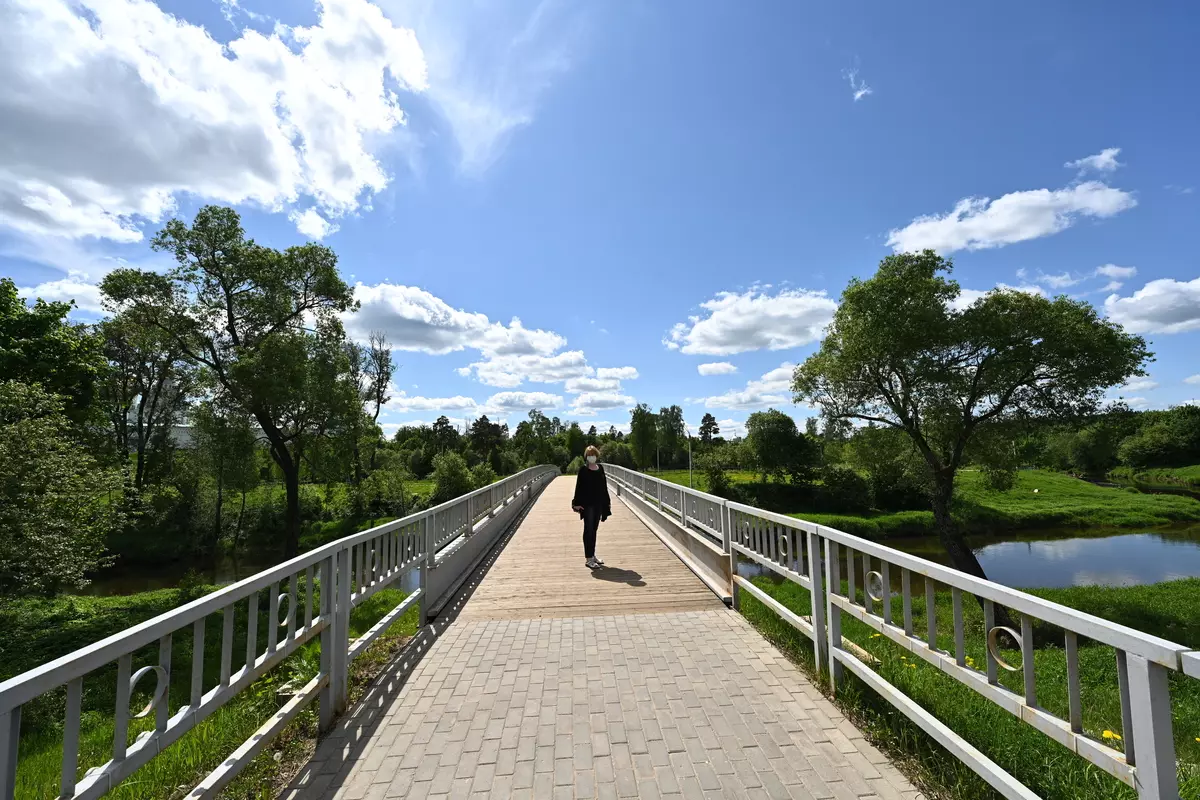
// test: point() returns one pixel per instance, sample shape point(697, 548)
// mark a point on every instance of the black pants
point(591, 522)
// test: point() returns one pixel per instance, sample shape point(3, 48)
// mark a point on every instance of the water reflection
point(1061, 559)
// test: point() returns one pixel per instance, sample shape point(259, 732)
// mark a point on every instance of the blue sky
point(653, 189)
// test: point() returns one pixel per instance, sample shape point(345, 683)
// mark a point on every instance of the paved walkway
point(683, 703)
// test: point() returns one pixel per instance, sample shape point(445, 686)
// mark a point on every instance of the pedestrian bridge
point(532, 676)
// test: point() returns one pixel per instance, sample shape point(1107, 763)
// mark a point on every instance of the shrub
point(715, 476)
point(575, 465)
point(482, 475)
point(843, 489)
point(450, 478)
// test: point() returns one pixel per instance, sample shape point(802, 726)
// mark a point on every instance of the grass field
point(1039, 500)
point(1165, 476)
point(1171, 610)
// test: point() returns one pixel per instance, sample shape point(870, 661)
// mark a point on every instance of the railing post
point(423, 574)
point(341, 635)
point(833, 613)
point(326, 701)
point(1153, 751)
point(727, 542)
point(10, 738)
point(817, 580)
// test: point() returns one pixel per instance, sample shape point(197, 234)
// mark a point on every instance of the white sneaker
point(598, 561)
point(592, 563)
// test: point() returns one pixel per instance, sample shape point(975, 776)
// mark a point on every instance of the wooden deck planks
point(541, 573)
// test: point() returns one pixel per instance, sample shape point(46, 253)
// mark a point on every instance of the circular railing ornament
point(993, 646)
point(279, 609)
point(785, 549)
point(877, 596)
point(160, 688)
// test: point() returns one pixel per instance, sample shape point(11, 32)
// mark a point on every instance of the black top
point(591, 490)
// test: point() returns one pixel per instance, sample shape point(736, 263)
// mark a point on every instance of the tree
point(445, 435)
point(225, 443)
point(38, 345)
point(253, 317)
point(777, 445)
point(708, 429)
point(53, 506)
point(379, 370)
point(903, 354)
point(487, 436)
point(643, 434)
point(451, 478)
point(576, 440)
point(144, 390)
point(670, 432)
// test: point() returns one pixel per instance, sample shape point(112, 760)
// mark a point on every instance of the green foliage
point(576, 440)
point(482, 475)
point(38, 345)
point(716, 479)
point(574, 467)
point(709, 428)
point(451, 478)
point(895, 471)
point(618, 453)
point(843, 489)
point(55, 509)
point(643, 435)
point(777, 445)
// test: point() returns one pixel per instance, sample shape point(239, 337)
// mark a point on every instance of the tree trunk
point(291, 482)
point(216, 540)
point(952, 538)
point(237, 533)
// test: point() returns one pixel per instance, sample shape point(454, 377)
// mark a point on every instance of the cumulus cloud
point(592, 385)
point(1139, 385)
point(86, 296)
point(753, 320)
point(513, 370)
point(1194, 379)
point(414, 319)
point(310, 223)
point(716, 368)
point(403, 403)
point(979, 223)
point(1104, 161)
point(1115, 272)
point(110, 109)
point(967, 297)
point(588, 403)
point(617, 373)
point(772, 389)
point(1161, 306)
point(504, 402)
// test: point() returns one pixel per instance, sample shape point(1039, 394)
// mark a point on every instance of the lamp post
point(688, 432)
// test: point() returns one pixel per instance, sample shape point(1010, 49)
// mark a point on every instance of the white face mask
point(591, 459)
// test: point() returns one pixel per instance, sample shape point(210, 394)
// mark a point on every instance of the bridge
point(532, 676)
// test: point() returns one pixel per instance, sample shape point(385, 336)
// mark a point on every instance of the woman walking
point(592, 503)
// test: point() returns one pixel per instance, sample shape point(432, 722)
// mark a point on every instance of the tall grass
point(1170, 610)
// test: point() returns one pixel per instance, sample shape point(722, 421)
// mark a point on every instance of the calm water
point(1058, 559)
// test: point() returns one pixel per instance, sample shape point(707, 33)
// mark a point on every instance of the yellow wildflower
point(1116, 736)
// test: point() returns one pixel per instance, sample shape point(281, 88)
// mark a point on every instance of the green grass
point(1060, 501)
point(699, 482)
point(1171, 610)
point(37, 631)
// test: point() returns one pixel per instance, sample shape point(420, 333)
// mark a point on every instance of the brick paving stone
point(673, 704)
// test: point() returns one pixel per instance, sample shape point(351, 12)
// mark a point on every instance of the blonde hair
point(592, 450)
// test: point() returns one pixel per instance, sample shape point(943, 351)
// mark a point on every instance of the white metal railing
point(848, 575)
point(353, 569)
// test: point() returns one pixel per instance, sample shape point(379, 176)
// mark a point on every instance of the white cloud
point(1058, 281)
point(1104, 161)
point(857, 87)
point(1113, 271)
point(1173, 187)
point(716, 368)
point(504, 402)
point(403, 403)
point(967, 297)
point(490, 64)
point(753, 320)
point(588, 403)
point(113, 108)
point(978, 223)
point(1111, 286)
point(772, 389)
point(1194, 379)
point(1139, 385)
point(603, 426)
point(731, 428)
point(414, 319)
point(513, 370)
point(86, 295)
point(312, 224)
point(617, 373)
point(592, 385)
point(1161, 306)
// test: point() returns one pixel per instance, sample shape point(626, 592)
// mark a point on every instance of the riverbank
point(34, 631)
point(1039, 500)
point(1170, 610)
point(1187, 477)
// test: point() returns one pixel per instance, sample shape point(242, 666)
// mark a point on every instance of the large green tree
point(777, 445)
point(55, 509)
point(643, 434)
point(709, 429)
point(254, 317)
point(903, 352)
point(39, 345)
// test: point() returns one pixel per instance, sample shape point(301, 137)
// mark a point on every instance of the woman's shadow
point(615, 575)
